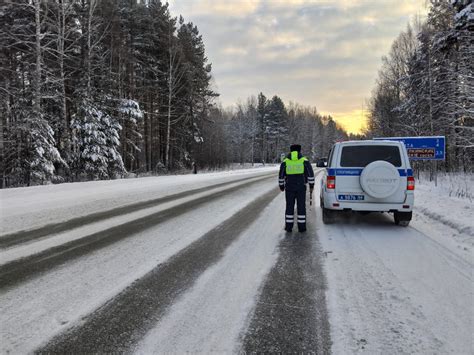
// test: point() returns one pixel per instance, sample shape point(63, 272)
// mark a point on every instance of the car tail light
point(410, 183)
point(331, 182)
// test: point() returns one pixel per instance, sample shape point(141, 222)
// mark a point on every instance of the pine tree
point(96, 142)
point(276, 129)
point(197, 93)
point(262, 108)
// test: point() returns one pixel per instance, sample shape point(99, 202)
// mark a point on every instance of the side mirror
point(322, 163)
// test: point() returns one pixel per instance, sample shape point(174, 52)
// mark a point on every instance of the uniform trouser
point(300, 197)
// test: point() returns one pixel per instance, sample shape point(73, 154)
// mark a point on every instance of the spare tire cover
point(380, 179)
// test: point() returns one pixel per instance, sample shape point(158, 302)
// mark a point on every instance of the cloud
point(235, 8)
point(323, 53)
point(234, 51)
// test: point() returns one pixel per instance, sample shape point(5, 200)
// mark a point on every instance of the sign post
point(431, 148)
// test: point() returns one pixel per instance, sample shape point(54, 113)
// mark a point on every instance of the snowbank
point(458, 185)
point(445, 211)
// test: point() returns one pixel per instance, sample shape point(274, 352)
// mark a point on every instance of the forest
point(261, 129)
point(101, 89)
point(425, 86)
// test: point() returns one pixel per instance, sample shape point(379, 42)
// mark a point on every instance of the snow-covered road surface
point(395, 290)
point(211, 270)
point(32, 207)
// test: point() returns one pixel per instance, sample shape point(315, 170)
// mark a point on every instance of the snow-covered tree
point(96, 143)
point(63, 61)
point(433, 94)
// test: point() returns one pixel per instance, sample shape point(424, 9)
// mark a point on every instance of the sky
point(320, 53)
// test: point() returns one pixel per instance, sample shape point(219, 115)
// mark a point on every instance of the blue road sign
point(422, 148)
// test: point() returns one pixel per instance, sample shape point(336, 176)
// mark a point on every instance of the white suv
point(368, 176)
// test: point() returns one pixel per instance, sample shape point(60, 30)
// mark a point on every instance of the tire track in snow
point(210, 316)
point(20, 270)
point(120, 323)
point(392, 290)
point(291, 314)
point(381, 288)
point(13, 239)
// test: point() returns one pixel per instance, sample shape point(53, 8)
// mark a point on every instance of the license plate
point(351, 197)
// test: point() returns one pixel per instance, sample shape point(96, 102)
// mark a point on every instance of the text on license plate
point(351, 197)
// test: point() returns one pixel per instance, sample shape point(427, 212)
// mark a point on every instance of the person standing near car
point(295, 173)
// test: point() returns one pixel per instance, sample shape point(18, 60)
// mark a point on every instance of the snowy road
point(203, 265)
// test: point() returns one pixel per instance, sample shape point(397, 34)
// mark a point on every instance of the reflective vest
point(295, 166)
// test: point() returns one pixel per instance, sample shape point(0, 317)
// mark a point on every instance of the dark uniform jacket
point(296, 182)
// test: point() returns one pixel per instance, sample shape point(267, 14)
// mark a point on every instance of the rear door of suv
point(353, 158)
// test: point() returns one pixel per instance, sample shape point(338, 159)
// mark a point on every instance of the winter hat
point(295, 148)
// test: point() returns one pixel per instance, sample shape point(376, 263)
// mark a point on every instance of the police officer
point(295, 172)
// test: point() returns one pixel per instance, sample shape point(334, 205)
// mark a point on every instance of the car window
point(330, 156)
point(363, 155)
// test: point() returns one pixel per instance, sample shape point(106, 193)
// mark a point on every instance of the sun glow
point(354, 121)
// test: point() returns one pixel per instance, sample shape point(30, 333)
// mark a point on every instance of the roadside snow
point(459, 185)
point(445, 212)
point(29, 207)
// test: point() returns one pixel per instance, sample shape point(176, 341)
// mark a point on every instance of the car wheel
point(402, 218)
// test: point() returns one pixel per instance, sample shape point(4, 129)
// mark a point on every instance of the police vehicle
point(368, 176)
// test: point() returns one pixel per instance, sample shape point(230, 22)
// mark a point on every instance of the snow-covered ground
point(41, 307)
point(446, 212)
point(404, 290)
point(459, 185)
point(389, 289)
